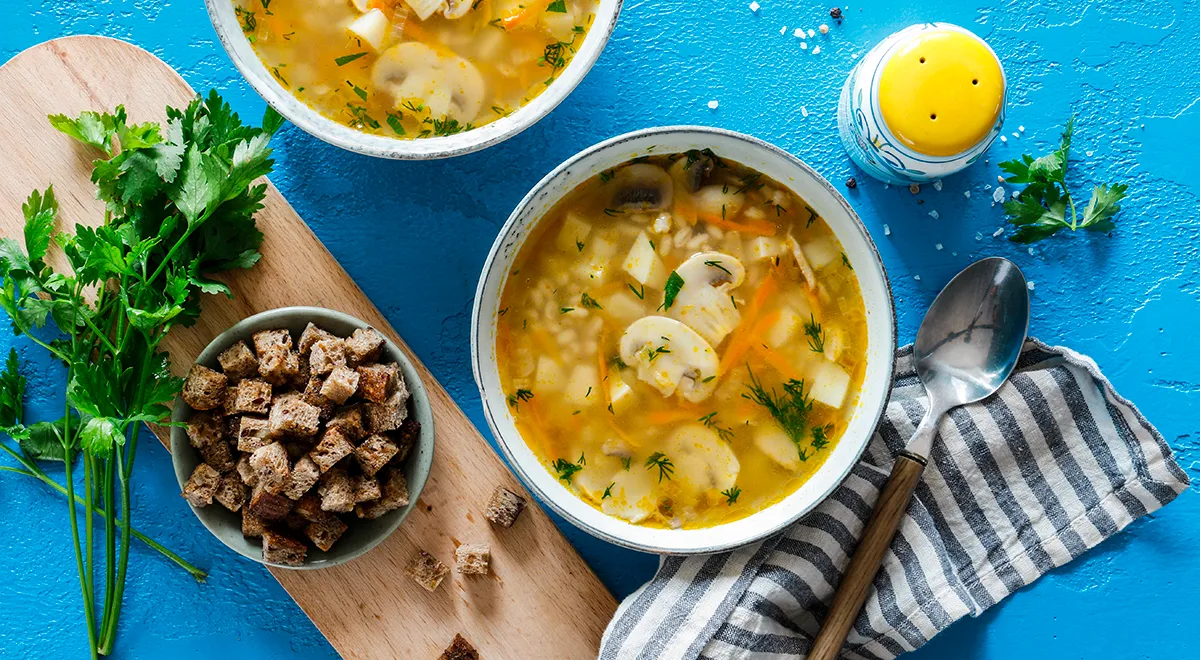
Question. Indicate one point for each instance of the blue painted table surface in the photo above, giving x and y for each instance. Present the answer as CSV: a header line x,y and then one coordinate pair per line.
x,y
1131,301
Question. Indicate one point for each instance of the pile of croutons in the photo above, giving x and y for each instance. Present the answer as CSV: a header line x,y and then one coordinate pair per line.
x,y
300,435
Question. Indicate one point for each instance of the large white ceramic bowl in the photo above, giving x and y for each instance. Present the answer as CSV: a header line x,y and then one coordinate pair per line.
x,y
859,248
229,31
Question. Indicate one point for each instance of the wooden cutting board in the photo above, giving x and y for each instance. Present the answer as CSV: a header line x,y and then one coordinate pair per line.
x,y
543,602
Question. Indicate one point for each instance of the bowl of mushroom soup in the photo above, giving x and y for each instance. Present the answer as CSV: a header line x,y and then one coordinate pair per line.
x,y
684,338
414,79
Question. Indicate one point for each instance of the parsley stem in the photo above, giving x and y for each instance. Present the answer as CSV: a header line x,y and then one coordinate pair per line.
x,y
88,607
196,573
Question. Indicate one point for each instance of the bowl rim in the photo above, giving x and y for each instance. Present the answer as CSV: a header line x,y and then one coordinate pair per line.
x,y
245,58
886,370
421,409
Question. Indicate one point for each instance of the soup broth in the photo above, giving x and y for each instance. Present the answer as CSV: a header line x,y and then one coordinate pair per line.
x,y
682,341
415,68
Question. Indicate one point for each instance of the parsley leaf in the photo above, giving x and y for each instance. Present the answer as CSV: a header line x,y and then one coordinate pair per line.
x,y
670,290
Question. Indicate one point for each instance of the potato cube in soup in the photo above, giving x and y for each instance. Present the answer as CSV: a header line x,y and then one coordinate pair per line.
x,y
602,247
835,343
830,383
620,394
644,265
591,271
820,252
574,232
549,377
583,387
765,247
631,497
772,441
370,28
785,328
623,306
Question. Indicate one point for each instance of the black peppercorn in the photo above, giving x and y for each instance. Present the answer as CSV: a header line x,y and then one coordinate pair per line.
x,y
851,183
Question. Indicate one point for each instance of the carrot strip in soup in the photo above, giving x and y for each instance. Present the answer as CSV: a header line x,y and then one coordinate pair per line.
x,y
755,227
744,335
526,16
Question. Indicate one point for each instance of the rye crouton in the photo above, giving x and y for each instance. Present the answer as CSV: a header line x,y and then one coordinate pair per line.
x,y
253,396
341,384
333,447
204,428
291,415
324,533
204,388
311,335
201,486
270,465
394,495
252,526
309,508
504,507
280,549
279,366
350,422
238,361
363,345
389,415
405,438
219,455
252,434
246,471
375,381
472,559
229,401
327,354
269,506
426,570
231,492
336,491
266,341
366,489
374,453
303,477
313,396
459,649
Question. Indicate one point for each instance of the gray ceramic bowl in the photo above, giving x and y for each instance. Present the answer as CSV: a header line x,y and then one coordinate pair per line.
x,y
363,534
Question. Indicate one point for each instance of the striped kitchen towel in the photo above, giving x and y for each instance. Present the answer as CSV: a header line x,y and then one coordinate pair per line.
x,y
1023,482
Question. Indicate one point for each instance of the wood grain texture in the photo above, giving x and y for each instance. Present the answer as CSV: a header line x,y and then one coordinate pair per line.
x,y
542,602
877,537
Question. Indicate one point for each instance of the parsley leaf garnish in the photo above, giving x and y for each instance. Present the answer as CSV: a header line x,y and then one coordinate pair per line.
x,y
670,290
731,494
789,409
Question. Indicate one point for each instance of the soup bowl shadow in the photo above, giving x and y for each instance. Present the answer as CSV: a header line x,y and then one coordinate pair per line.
x,y
228,27
860,251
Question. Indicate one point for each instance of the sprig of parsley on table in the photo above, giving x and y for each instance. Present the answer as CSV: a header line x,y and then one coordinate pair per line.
x,y
1040,209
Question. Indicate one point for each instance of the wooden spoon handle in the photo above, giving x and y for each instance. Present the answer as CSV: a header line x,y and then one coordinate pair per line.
x,y
877,537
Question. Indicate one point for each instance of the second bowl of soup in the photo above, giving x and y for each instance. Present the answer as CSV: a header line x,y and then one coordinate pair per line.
x,y
684,339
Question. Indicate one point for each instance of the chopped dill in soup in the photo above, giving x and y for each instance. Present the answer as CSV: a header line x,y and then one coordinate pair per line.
x,y
682,341
415,68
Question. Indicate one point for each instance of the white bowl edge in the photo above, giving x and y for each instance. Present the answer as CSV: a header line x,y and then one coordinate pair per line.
x,y
229,32
860,250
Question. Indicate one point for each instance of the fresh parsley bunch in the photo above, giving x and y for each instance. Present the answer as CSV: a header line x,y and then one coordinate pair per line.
x,y
1040,210
179,207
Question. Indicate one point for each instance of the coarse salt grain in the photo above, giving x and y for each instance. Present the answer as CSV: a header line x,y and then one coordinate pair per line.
x,y
999,230
937,185
988,186
824,29
1029,285
1031,252
816,49
887,231
1003,138
712,105
998,194
938,246
933,214
978,236
754,6
954,254
804,45
917,278
1016,135
1088,153
967,194
811,33
803,111
798,33
1021,128
783,30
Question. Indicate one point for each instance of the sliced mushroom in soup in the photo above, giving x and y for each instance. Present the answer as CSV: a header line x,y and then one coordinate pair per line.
x,y
682,341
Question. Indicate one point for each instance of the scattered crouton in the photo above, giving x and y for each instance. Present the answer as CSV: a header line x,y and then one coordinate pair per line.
x,y
336,491
405,438
309,508
201,486
303,477
327,354
253,396
311,335
231,492
363,345
332,448
350,422
204,428
238,361
219,455
374,453
459,649
246,471
504,507
268,506
266,341
204,388
229,402
394,495
389,415
314,397
291,415
280,549
279,366
270,465
472,559
426,570
366,489
252,526
375,381
252,434
324,533
341,384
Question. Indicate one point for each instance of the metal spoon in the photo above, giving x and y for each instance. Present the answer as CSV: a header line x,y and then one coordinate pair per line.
x,y
966,348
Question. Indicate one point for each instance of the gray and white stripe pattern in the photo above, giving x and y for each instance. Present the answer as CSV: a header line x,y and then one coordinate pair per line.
x,y
1019,484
